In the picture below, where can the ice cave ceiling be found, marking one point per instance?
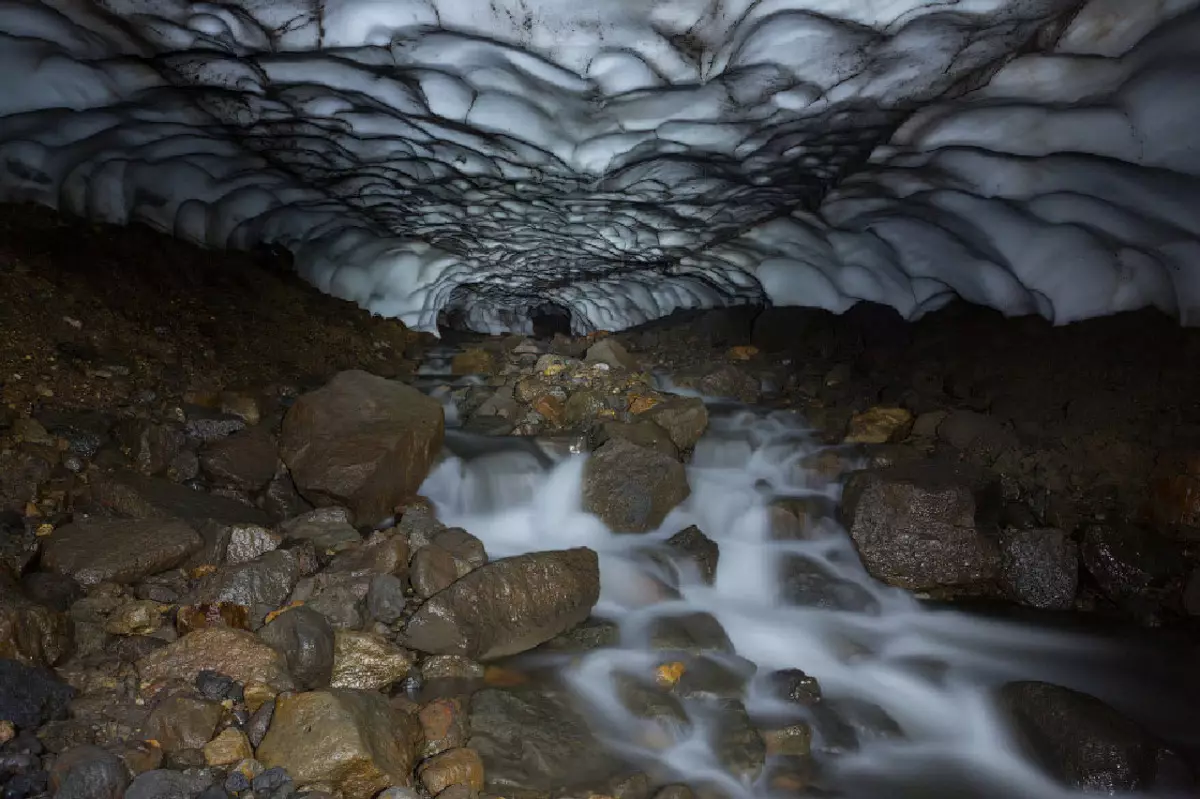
(624, 158)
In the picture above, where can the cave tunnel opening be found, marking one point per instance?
(550, 318)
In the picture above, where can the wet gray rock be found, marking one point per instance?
(122, 551)
(151, 446)
(340, 598)
(385, 598)
(693, 633)
(280, 499)
(631, 488)
(724, 381)
(610, 352)
(88, 772)
(363, 442)
(592, 634)
(305, 638)
(508, 606)
(1131, 562)
(246, 460)
(434, 569)
(262, 585)
(535, 740)
(1089, 746)
(793, 685)
(701, 551)
(807, 583)
(206, 424)
(183, 722)
(164, 784)
(684, 418)
(139, 497)
(249, 541)
(922, 526)
(30, 632)
(1039, 568)
(642, 432)
(31, 696)
(738, 745)
(55, 591)
(462, 545)
(329, 529)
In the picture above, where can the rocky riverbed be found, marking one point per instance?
(221, 574)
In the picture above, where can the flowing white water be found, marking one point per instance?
(869, 646)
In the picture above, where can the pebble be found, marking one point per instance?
(230, 746)
(306, 640)
(367, 661)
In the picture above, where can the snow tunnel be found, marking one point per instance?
(626, 160)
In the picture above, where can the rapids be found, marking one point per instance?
(930, 670)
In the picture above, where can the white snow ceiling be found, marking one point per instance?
(624, 158)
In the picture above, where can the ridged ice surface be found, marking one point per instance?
(625, 158)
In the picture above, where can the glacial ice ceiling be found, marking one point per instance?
(625, 158)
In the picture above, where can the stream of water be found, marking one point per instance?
(914, 683)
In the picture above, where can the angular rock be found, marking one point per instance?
(1089, 746)
(809, 583)
(724, 381)
(120, 551)
(140, 497)
(643, 433)
(475, 361)
(924, 525)
(230, 747)
(350, 740)
(164, 784)
(385, 598)
(508, 606)
(691, 632)
(306, 640)
(262, 585)
(248, 541)
(699, 549)
(367, 661)
(609, 351)
(139, 617)
(182, 722)
(536, 740)
(150, 446)
(443, 726)
(31, 696)
(245, 460)
(341, 598)
(1039, 568)
(632, 489)
(88, 772)
(31, 633)
(1129, 561)
(361, 441)
(234, 653)
(684, 418)
(453, 767)
(879, 426)
(328, 528)
(433, 570)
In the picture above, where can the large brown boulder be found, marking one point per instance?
(632, 488)
(363, 442)
(925, 526)
(508, 606)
